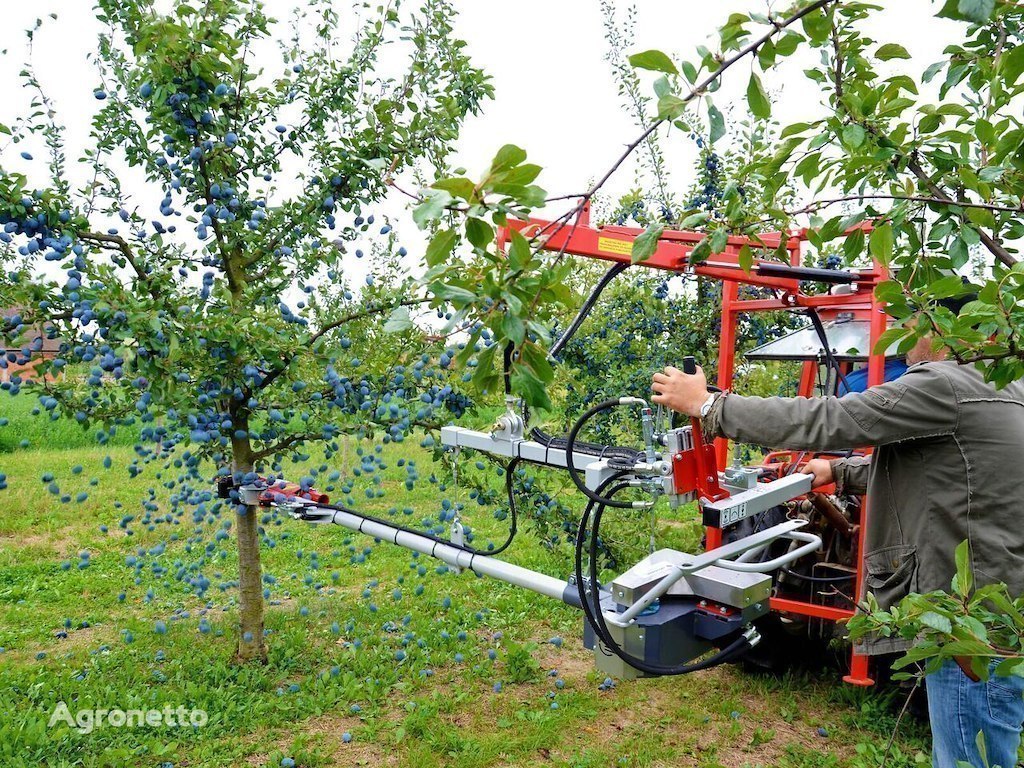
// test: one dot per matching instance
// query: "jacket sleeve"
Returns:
(851, 474)
(921, 403)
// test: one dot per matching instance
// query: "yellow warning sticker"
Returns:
(611, 245)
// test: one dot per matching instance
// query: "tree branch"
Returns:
(700, 88)
(271, 377)
(994, 247)
(116, 242)
(819, 204)
(287, 442)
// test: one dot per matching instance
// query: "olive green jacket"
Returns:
(948, 466)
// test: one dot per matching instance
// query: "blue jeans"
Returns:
(959, 708)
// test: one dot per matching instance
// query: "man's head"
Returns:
(927, 350)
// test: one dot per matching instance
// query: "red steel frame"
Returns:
(614, 243)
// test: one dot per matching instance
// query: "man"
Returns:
(947, 466)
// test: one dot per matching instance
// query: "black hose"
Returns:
(594, 612)
(570, 463)
(823, 338)
(587, 306)
(593, 449)
(630, 455)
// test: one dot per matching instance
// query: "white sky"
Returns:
(555, 95)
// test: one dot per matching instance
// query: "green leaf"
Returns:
(978, 11)
(932, 71)
(520, 175)
(670, 107)
(479, 232)
(456, 294)
(519, 253)
(529, 387)
(509, 156)
(890, 337)
(719, 240)
(534, 356)
(398, 321)
(853, 135)
(937, 621)
(959, 254)
(1012, 65)
(654, 60)
(964, 579)
(458, 187)
(700, 251)
(945, 287)
(441, 246)
(891, 51)
(512, 328)
(817, 26)
(716, 123)
(788, 43)
(646, 243)
(431, 208)
(853, 246)
(746, 258)
(795, 128)
(760, 107)
(881, 243)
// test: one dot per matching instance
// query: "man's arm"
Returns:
(851, 474)
(920, 404)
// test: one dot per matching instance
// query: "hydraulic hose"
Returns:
(570, 463)
(819, 329)
(594, 612)
(594, 449)
(588, 305)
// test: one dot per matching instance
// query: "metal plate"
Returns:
(850, 341)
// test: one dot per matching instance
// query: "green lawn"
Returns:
(119, 630)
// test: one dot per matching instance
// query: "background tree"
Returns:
(220, 314)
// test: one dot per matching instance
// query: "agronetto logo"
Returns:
(88, 720)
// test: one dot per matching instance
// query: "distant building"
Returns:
(27, 371)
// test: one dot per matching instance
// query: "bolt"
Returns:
(710, 479)
(721, 609)
(757, 606)
(679, 457)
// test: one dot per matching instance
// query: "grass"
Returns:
(101, 619)
(20, 428)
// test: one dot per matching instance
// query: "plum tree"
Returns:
(221, 319)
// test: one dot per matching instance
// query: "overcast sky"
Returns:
(555, 95)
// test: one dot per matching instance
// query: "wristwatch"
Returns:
(706, 408)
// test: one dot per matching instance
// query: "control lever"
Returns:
(707, 473)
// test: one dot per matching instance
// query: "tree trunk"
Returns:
(251, 646)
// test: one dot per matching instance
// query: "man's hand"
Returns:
(681, 392)
(821, 469)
